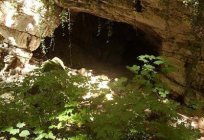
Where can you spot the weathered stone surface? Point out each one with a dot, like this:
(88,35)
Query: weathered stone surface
(197,81)
(25,22)
(21,39)
(170,21)
(157,16)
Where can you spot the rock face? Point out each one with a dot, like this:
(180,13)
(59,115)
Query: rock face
(168,20)
(23,23)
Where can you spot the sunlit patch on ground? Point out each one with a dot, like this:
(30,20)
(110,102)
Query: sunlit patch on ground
(19,75)
(16,63)
(97,85)
(192,122)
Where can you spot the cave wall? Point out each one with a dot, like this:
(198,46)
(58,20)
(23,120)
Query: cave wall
(114,42)
(170,20)
(100,44)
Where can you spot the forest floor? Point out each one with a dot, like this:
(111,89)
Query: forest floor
(100,71)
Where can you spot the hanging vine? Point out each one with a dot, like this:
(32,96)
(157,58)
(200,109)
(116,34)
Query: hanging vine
(43,47)
(197,17)
(110,31)
(48,22)
(99,27)
(69,39)
(52,42)
(65,17)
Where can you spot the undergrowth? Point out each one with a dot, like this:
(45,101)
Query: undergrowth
(49,104)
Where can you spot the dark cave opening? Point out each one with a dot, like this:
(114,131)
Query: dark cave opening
(100,44)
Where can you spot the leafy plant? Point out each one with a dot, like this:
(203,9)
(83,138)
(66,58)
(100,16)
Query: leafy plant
(64,16)
(134,115)
(49,97)
(18,132)
(49,104)
(148,73)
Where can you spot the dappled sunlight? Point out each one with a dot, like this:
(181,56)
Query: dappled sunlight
(71,97)
(16,63)
(101,70)
(30,27)
(96,84)
(28,68)
(12,41)
(21,73)
(34,8)
(9,14)
(194,122)
(109,96)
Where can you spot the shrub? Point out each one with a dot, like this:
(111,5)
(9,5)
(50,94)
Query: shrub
(49,104)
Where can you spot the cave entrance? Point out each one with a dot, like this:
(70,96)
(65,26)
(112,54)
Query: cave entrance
(100,44)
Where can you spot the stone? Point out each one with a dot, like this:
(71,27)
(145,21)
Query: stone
(26,22)
(54,64)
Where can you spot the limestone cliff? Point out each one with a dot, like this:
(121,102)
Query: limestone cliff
(24,22)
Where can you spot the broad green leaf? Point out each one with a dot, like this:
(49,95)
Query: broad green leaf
(41,136)
(52,126)
(148,67)
(158,62)
(13,138)
(59,125)
(7,129)
(134,69)
(11,130)
(24,133)
(50,136)
(143,59)
(20,125)
(14,131)
(38,131)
